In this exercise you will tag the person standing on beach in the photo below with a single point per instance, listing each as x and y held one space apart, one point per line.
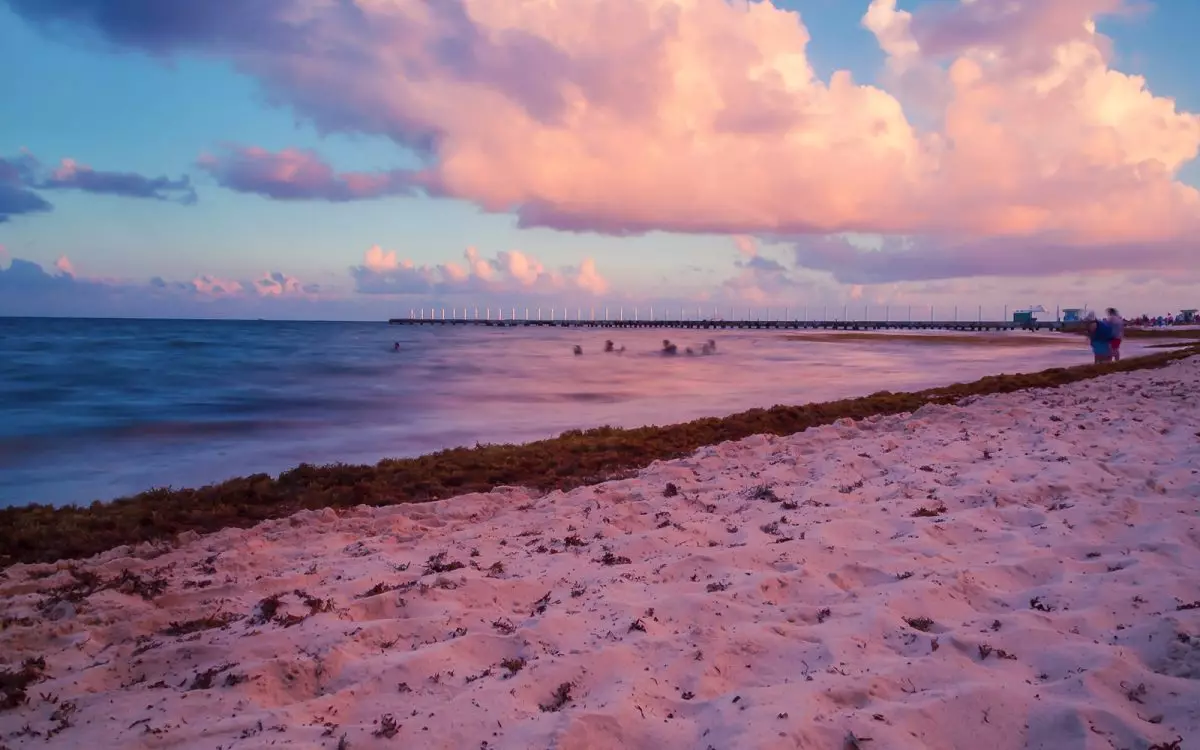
1117 323
1099 334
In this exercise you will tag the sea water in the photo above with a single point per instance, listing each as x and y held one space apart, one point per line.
97 409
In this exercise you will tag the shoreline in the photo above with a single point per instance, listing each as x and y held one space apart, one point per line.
43 533
1015 570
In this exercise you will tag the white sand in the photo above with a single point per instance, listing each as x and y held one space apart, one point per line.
1070 542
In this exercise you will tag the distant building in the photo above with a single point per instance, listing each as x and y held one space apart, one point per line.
1027 315
1072 314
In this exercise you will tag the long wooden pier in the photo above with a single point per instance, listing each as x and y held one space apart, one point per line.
718 324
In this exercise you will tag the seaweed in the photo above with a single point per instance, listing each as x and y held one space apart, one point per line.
14 685
39 533
560 698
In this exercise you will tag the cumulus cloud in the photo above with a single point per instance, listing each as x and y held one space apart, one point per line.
26 288
15 197
71 175
746 245
21 176
916 259
511 271
706 116
296 174
276 284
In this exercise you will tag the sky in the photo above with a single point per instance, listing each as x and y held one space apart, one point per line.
361 159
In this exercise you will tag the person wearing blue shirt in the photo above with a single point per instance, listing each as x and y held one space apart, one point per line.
1100 335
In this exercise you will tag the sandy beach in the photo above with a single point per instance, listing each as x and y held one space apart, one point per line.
1016 571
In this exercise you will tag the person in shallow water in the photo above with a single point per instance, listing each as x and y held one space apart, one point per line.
669 348
396 347
578 350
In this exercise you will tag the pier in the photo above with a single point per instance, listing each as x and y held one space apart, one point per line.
719 324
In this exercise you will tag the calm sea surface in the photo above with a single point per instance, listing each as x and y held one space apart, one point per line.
96 409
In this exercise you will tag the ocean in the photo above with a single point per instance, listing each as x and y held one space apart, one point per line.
98 409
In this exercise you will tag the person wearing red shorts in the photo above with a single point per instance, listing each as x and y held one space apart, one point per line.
1118 331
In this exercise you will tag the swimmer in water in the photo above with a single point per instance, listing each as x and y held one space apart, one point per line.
578 350
669 348
396 347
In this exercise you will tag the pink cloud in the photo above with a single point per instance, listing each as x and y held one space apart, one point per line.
211 286
28 288
379 261
996 120
295 174
589 279
278 284
746 245
511 271
720 124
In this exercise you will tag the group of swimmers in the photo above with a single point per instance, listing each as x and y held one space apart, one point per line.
668 349
1104 335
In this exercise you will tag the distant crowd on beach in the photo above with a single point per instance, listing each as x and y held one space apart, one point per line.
1146 321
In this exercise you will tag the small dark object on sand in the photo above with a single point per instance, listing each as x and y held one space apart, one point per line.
919 623
561 697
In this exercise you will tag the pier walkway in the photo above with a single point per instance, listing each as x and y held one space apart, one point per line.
717 324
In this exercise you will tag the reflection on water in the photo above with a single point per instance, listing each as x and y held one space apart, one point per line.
97 409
